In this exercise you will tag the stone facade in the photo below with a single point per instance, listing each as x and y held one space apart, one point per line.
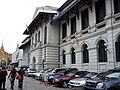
95 33
84 34
44 50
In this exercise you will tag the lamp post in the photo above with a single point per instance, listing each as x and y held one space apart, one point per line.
43 62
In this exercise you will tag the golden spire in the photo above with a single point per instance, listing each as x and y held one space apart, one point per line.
2 47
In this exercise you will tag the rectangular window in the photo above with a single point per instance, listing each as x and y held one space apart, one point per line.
64 57
64 30
100 11
73 25
45 35
36 38
117 47
32 40
116 6
84 19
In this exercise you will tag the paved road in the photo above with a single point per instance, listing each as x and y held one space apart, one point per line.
32 84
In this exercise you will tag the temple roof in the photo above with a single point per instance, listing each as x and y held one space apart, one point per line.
3 53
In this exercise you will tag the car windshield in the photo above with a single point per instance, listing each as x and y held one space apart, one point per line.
41 71
59 70
70 74
89 75
114 75
49 70
104 74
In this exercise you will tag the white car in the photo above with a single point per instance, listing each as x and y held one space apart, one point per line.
78 82
45 74
37 74
40 74
30 71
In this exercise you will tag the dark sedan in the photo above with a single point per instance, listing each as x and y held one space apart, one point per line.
109 80
52 77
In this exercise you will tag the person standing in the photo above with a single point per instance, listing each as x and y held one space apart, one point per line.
20 81
3 74
0 78
12 76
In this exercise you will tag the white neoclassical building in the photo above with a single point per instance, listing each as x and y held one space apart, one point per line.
81 33
44 50
26 52
17 57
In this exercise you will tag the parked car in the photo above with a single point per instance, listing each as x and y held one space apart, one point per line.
111 82
108 80
45 72
30 71
78 82
63 80
38 75
51 78
51 72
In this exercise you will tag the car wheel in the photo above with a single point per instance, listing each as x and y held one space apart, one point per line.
65 84
69 86
36 77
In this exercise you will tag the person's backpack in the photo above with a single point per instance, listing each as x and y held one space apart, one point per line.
18 77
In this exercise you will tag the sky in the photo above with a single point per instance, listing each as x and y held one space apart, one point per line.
14 16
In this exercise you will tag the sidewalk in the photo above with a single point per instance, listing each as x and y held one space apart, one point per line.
28 84
8 85
32 84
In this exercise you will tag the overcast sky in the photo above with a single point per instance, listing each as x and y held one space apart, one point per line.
14 15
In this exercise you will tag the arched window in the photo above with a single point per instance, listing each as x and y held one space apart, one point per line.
73 61
102 52
85 54
117 46
64 57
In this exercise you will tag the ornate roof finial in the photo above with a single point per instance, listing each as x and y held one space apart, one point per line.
2 47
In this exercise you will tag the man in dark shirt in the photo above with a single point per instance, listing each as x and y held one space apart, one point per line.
3 74
20 81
